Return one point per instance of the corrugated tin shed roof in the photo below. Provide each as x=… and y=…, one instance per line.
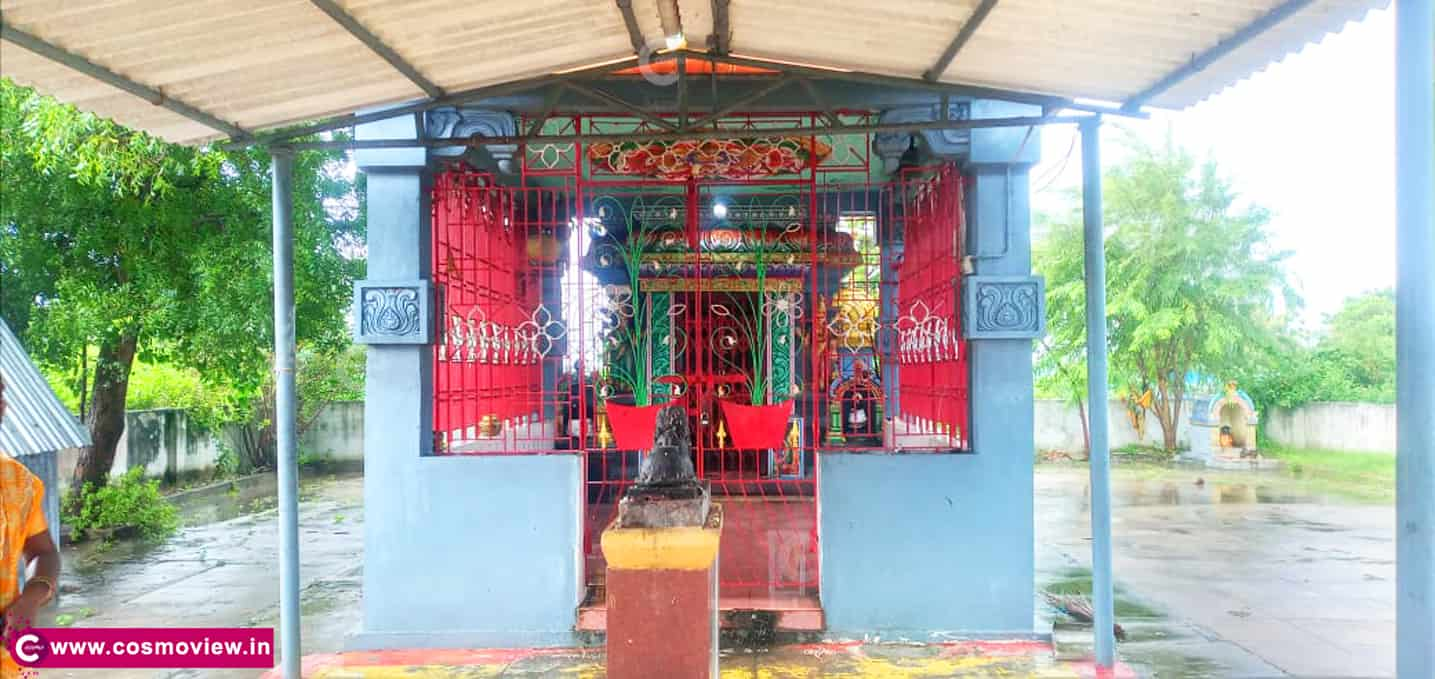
x=35, y=421
x=263, y=63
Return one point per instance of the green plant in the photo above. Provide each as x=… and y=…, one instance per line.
x=226, y=463
x=316, y=462
x=629, y=326
x=129, y=503
x=758, y=312
x=68, y=619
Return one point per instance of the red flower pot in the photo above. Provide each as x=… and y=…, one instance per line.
x=633, y=426
x=757, y=426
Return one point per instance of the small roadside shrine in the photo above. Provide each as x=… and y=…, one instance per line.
x=793, y=279
x=805, y=223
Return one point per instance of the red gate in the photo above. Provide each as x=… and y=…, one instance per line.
x=580, y=288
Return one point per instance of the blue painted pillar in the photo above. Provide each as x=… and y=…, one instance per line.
x=1415, y=338
x=1096, y=391
x=460, y=551
x=916, y=545
x=397, y=411
x=284, y=412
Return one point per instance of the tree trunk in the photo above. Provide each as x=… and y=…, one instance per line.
x=107, y=411
x=1167, y=419
x=84, y=376
x=255, y=440
x=1085, y=427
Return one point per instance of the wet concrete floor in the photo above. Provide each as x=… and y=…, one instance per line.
x=1239, y=576
x=1243, y=575
x=223, y=574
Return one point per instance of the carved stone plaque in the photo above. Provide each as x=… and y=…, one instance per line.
x=393, y=312
x=1004, y=307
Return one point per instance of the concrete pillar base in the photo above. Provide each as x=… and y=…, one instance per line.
x=663, y=600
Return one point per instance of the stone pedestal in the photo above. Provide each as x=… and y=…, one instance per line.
x=663, y=599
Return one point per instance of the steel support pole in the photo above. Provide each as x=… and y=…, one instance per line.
x=1096, y=391
x=284, y=413
x=1415, y=338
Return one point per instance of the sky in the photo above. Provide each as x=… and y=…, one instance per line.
x=1311, y=138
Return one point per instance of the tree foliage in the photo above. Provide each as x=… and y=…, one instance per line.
x=1193, y=287
x=1061, y=355
x=1351, y=359
x=118, y=240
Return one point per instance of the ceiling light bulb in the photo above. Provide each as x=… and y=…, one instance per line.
x=719, y=210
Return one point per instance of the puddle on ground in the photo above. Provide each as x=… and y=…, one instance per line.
x=1201, y=491
x=1175, y=486
x=238, y=500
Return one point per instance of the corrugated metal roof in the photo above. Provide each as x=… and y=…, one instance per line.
x=35, y=421
x=264, y=63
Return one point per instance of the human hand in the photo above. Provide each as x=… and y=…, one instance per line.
x=21, y=614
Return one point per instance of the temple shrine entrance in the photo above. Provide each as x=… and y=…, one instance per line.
x=788, y=296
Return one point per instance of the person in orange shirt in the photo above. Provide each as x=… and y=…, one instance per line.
x=24, y=541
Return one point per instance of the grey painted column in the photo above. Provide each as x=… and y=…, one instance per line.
x=1415, y=339
x=1000, y=360
x=288, y=463
x=399, y=377
x=1096, y=391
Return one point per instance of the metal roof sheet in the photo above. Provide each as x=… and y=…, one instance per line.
x=35, y=421
x=264, y=63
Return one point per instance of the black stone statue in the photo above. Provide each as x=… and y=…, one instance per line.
x=671, y=462
x=667, y=492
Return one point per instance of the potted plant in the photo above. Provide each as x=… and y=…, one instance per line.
x=632, y=412
x=762, y=421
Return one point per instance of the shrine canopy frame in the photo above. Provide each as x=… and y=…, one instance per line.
x=327, y=56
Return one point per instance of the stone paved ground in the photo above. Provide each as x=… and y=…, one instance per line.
x=1238, y=576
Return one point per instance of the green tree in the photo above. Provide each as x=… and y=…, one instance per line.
x=117, y=240
x=1061, y=355
x=1352, y=358
x=1193, y=286
x=1361, y=338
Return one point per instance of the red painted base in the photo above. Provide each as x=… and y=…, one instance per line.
x=662, y=623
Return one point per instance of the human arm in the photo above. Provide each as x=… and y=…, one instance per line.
x=43, y=560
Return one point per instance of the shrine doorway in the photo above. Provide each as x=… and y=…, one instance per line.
x=722, y=327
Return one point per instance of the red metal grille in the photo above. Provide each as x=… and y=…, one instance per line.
x=868, y=341
x=933, y=404
x=507, y=301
